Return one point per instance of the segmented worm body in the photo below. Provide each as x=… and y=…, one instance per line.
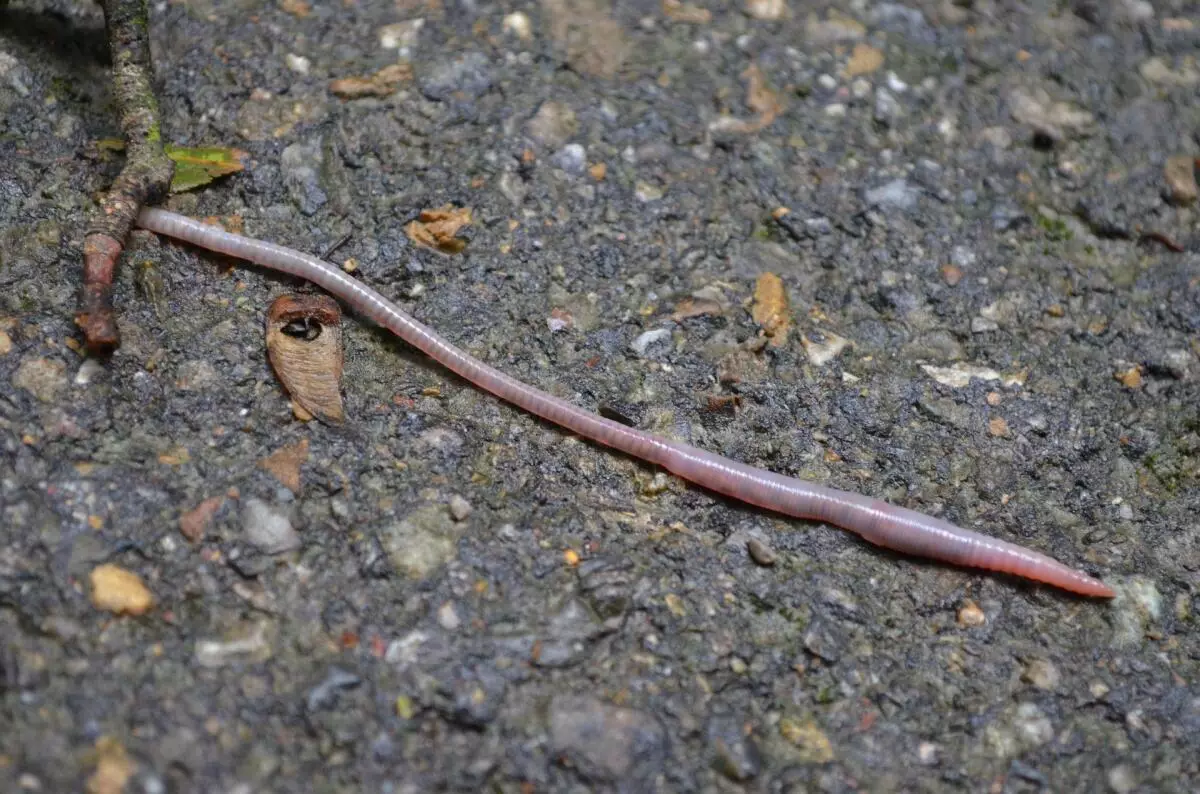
x=877, y=522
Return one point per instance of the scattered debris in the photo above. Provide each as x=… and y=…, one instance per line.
x=864, y=59
x=688, y=13
x=304, y=344
x=382, y=83
x=195, y=166
x=970, y=615
x=771, y=308
x=44, y=378
x=1130, y=377
x=120, y=591
x=959, y=375
x=762, y=101
x=285, y=464
x=766, y=10
x=647, y=338
x=696, y=307
x=761, y=553
x=267, y=528
x=1180, y=175
x=808, y=738
x=195, y=522
x=1051, y=121
x=823, y=346
x=113, y=767
x=437, y=229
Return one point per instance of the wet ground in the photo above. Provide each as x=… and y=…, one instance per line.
x=974, y=210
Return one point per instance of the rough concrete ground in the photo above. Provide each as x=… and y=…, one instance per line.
x=979, y=199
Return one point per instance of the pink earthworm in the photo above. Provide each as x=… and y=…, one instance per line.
x=877, y=522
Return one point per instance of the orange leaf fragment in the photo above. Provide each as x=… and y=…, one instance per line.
x=437, y=229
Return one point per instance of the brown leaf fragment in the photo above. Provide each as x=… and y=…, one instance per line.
x=195, y=522
x=284, y=464
x=760, y=98
x=771, y=308
x=686, y=12
x=437, y=228
x=381, y=84
x=1130, y=378
x=695, y=307
x=304, y=343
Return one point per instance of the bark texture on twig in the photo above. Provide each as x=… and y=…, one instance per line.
x=144, y=179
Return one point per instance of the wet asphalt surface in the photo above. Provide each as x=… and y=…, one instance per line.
x=974, y=210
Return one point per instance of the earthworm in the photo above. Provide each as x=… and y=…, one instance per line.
x=877, y=522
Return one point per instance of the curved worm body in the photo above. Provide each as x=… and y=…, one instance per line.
x=875, y=521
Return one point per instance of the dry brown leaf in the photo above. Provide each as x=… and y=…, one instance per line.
x=771, y=308
x=304, y=343
x=195, y=522
x=765, y=103
x=284, y=464
x=380, y=84
x=1130, y=378
x=437, y=228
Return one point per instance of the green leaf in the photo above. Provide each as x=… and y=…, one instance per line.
x=197, y=166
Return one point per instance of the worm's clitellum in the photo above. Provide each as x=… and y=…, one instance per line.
x=875, y=521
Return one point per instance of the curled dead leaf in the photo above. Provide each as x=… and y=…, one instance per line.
x=437, y=228
x=304, y=343
x=381, y=84
x=771, y=308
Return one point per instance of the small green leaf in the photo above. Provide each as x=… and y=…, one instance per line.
x=197, y=166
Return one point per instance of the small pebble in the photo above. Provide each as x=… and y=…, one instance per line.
x=460, y=508
x=571, y=158
x=1180, y=174
x=897, y=193
x=646, y=192
x=768, y=10
x=267, y=528
x=401, y=35
x=970, y=615
x=643, y=341
x=253, y=646
x=760, y=552
x=1122, y=779
x=297, y=63
x=518, y=24
x=447, y=616
x=44, y=378
x=1042, y=674
x=117, y=590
